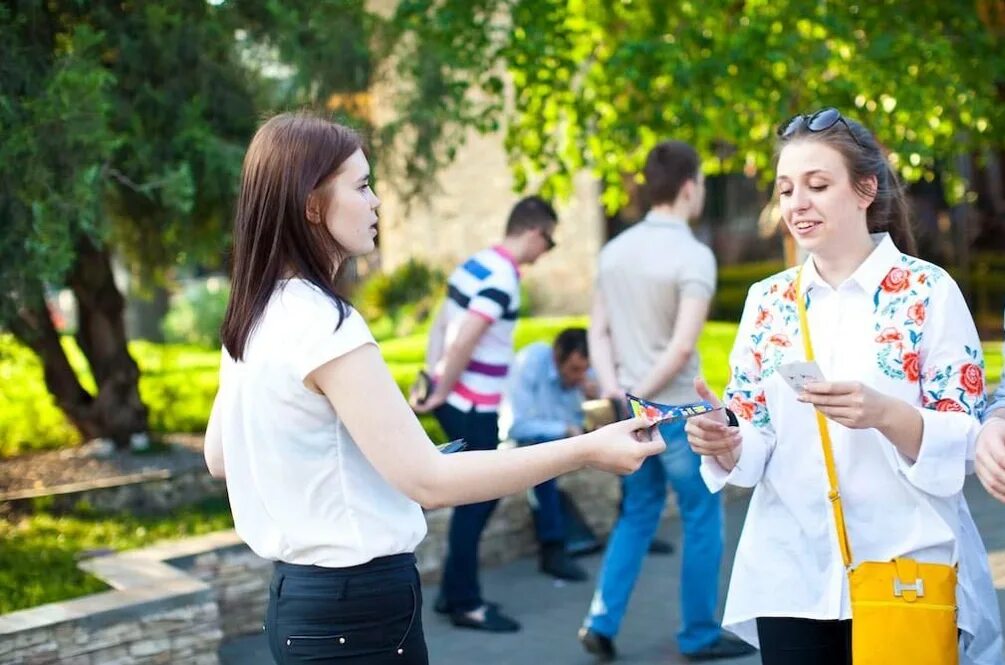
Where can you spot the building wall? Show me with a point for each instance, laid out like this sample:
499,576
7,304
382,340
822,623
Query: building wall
468,212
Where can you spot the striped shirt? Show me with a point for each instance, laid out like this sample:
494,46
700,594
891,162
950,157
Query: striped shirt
487,284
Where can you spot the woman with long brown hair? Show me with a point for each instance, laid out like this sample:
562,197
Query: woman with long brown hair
326,464
900,386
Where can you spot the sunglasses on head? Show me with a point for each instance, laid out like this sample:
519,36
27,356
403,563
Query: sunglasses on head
820,121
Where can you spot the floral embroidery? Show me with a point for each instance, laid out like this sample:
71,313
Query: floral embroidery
955,388
911,364
764,318
896,280
780,340
901,302
916,312
889,335
972,379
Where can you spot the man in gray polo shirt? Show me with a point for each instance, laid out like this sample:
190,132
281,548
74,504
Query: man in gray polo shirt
654,285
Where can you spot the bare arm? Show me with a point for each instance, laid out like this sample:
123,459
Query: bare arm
213,443
601,349
458,355
691,317
359,385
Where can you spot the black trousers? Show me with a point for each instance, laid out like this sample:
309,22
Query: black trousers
459,587
789,641
371,613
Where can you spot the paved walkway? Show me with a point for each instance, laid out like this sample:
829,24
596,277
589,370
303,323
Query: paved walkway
551,612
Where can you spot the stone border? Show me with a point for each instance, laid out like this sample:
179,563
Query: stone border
155,491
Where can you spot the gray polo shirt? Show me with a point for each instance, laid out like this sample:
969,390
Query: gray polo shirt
643,275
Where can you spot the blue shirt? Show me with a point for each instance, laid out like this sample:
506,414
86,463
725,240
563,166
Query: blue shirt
542,408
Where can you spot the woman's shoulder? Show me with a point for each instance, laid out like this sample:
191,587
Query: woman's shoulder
302,304
780,286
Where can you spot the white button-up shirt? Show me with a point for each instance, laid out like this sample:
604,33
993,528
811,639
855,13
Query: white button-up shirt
901,326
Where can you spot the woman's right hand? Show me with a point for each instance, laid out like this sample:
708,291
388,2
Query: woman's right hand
709,434
621,447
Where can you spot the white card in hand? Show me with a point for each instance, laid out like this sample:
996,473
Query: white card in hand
799,374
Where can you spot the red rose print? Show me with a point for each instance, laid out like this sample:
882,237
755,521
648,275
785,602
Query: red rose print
741,408
758,360
922,278
896,280
760,399
780,340
790,293
972,379
917,312
912,366
889,336
948,405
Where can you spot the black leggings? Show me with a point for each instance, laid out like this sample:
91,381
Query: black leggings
788,641
371,613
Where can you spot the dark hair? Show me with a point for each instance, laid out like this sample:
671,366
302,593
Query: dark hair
569,341
889,210
668,166
290,156
531,212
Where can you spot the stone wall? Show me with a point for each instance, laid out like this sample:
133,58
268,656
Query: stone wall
149,492
177,622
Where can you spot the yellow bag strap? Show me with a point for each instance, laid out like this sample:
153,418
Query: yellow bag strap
825,438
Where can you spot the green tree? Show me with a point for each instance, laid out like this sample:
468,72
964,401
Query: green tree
595,84
123,125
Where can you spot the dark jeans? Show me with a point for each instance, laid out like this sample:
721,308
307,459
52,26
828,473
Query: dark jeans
371,613
548,520
459,587
788,641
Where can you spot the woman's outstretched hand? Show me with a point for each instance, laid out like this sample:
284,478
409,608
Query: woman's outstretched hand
621,447
710,435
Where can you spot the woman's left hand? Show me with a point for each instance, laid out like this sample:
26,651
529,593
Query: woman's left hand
850,403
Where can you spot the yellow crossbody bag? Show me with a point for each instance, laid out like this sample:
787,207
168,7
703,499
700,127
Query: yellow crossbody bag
903,611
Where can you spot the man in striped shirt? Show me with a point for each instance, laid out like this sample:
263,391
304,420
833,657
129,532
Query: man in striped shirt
470,351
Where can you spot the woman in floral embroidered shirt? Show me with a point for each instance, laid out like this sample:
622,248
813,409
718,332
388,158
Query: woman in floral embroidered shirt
903,393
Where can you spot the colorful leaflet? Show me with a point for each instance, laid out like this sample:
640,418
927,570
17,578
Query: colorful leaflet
662,413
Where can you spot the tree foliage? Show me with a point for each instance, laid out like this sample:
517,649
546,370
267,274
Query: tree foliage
596,83
122,129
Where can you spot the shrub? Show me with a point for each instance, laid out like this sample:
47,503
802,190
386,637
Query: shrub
400,302
196,314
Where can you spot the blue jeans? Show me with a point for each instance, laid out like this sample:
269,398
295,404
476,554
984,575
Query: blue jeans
547,506
644,494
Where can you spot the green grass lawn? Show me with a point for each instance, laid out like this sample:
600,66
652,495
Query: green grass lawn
38,555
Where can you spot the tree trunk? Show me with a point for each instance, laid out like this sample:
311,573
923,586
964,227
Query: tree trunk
102,338
34,328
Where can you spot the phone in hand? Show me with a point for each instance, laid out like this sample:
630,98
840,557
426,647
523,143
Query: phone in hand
455,446
423,386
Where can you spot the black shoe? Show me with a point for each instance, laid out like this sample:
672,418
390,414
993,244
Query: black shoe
599,645
494,621
441,607
726,646
557,563
658,546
